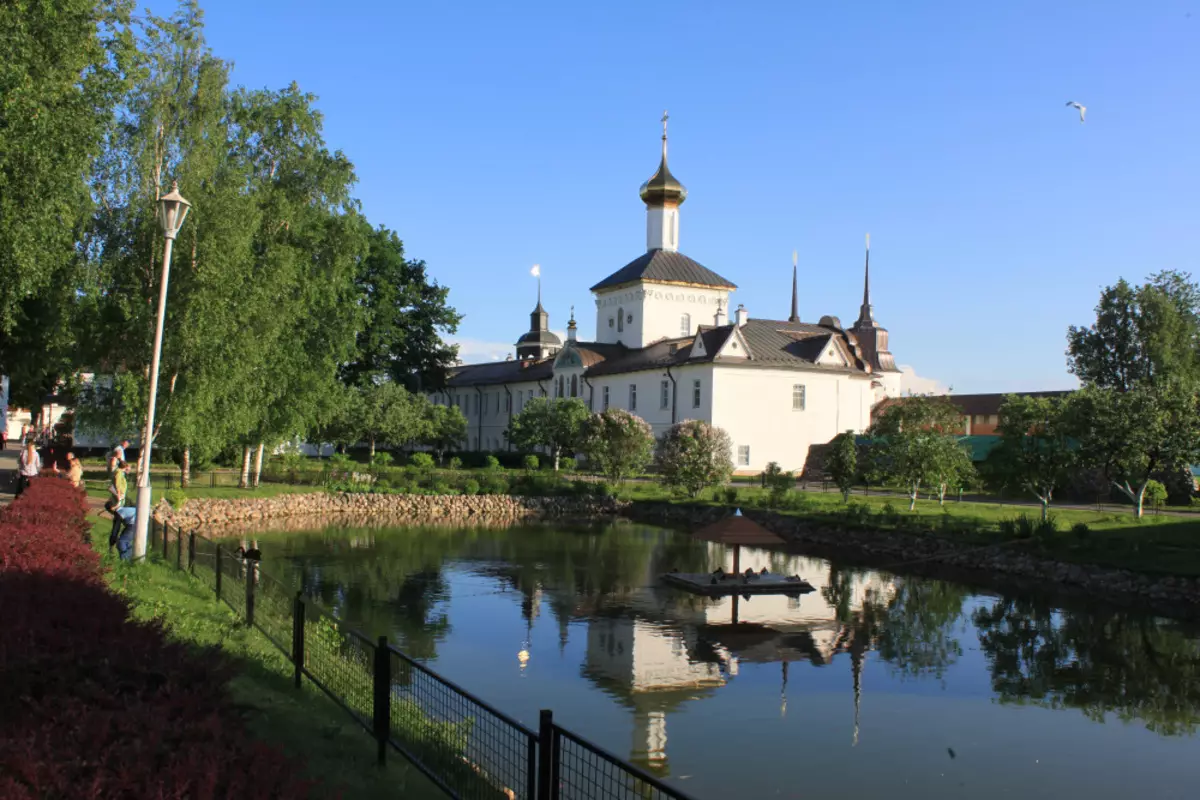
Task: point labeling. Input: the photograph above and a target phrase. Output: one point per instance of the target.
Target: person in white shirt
(29, 466)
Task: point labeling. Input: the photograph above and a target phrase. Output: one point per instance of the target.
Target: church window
(633, 397)
(606, 398)
(620, 320)
(574, 386)
(610, 322)
(743, 455)
(666, 395)
(561, 393)
(696, 393)
(685, 324)
(798, 397)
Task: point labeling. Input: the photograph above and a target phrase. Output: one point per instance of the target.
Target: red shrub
(96, 704)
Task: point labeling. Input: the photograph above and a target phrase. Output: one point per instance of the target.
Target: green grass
(97, 483)
(305, 724)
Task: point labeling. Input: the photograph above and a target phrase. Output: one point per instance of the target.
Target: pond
(875, 684)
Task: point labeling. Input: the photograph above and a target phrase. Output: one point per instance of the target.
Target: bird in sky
(1082, 108)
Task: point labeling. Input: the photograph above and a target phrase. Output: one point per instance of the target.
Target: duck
(253, 554)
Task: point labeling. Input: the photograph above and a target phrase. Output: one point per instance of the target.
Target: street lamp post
(172, 210)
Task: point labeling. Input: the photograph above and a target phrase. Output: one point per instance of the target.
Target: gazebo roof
(738, 530)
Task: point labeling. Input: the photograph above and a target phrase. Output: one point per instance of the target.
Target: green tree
(63, 69)
(618, 443)
(693, 455)
(446, 428)
(917, 445)
(556, 425)
(404, 316)
(1036, 453)
(1132, 435)
(842, 463)
(1143, 335)
(393, 415)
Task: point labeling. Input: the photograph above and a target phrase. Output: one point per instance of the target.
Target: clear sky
(493, 136)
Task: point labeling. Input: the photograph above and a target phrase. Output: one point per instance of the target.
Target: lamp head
(172, 210)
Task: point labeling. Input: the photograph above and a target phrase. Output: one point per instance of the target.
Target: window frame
(605, 396)
(799, 397)
(743, 460)
(633, 397)
(696, 389)
(665, 398)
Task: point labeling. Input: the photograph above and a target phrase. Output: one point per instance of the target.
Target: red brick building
(981, 412)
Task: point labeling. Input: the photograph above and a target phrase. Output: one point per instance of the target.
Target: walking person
(116, 500)
(74, 470)
(29, 466)
(116, 456)
(4, 430)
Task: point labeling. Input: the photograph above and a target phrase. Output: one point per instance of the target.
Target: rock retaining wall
(406, 509)
(1011, 565)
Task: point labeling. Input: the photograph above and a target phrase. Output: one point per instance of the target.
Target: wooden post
(249, 564)
(737, 559)
(220, 569)
(192, 552)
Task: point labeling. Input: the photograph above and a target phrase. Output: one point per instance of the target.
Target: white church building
(668, 349)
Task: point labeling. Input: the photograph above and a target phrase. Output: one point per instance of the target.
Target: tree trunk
(372, 453)
(1141, 497)
(258, 464)
(185, 469)
(244, 480)
(912, 498)
(845, 495)
(942, 495)
(554, 455)
(1134, 497)
(1045, 506)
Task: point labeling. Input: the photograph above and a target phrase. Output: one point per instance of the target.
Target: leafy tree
(556, 425)
(693, 455)
(343, 425)
(1036, 452)
(917, 445)
(393, 415)
(1131, 435)
(842, 463)
(446, 428)
(618, 443)
(404, 316)
(1143, 335)
(1156, 495)
(63, 69)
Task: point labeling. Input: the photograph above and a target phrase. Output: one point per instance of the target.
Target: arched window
(561, 386)
(574, 386)
(620, 320)
(685, 324)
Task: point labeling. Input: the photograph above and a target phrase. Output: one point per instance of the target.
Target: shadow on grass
(303, 723)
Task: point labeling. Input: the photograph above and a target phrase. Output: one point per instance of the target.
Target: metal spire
(866, 315)
(665, 117)
(795, 317)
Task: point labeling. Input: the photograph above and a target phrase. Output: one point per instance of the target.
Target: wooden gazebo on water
(738, 531)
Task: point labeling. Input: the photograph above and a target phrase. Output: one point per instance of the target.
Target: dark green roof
(664, 266)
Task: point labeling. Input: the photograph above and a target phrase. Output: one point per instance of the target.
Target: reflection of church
(667, 649)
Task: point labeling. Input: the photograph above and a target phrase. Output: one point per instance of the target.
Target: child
(124, 520)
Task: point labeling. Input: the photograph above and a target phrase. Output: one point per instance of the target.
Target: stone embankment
(405, 509)
(1015, 564)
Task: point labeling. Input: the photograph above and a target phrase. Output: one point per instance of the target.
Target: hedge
(96, 704)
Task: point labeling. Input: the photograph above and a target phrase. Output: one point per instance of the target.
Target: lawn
(303, 723)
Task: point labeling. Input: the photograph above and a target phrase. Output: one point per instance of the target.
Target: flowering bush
(694, 455)
(94, 703)
(618, 443)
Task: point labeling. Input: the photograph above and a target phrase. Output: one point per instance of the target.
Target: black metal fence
(461, 743)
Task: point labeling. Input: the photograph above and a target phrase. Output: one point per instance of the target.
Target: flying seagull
(1082, 108)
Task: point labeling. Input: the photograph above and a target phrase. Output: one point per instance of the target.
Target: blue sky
(495, 136)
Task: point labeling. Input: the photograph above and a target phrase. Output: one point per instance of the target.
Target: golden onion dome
(663, 188)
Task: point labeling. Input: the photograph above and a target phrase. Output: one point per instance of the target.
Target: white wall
(657, 309)
(755, 406)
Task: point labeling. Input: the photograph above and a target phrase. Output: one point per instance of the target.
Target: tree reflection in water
(1134, 667)
(399, 583)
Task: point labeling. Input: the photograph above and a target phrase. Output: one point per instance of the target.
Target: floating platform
(727, 583)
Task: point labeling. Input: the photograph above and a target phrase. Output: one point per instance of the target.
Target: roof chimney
(719, 317)
(742, 315)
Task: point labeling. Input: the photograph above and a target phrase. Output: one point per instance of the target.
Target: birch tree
(917, 444)
(1036, 453)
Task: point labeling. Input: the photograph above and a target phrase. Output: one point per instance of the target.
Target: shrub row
(408, 481)
(96, 704)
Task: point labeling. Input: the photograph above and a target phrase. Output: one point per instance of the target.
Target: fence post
(166, 537)
(546, 788)
(178, 548)
(249, 564)
(383, 697)
(192, 552)
(298, 638)
(220, 569)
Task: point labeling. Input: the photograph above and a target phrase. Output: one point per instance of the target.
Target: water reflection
(657, 652)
